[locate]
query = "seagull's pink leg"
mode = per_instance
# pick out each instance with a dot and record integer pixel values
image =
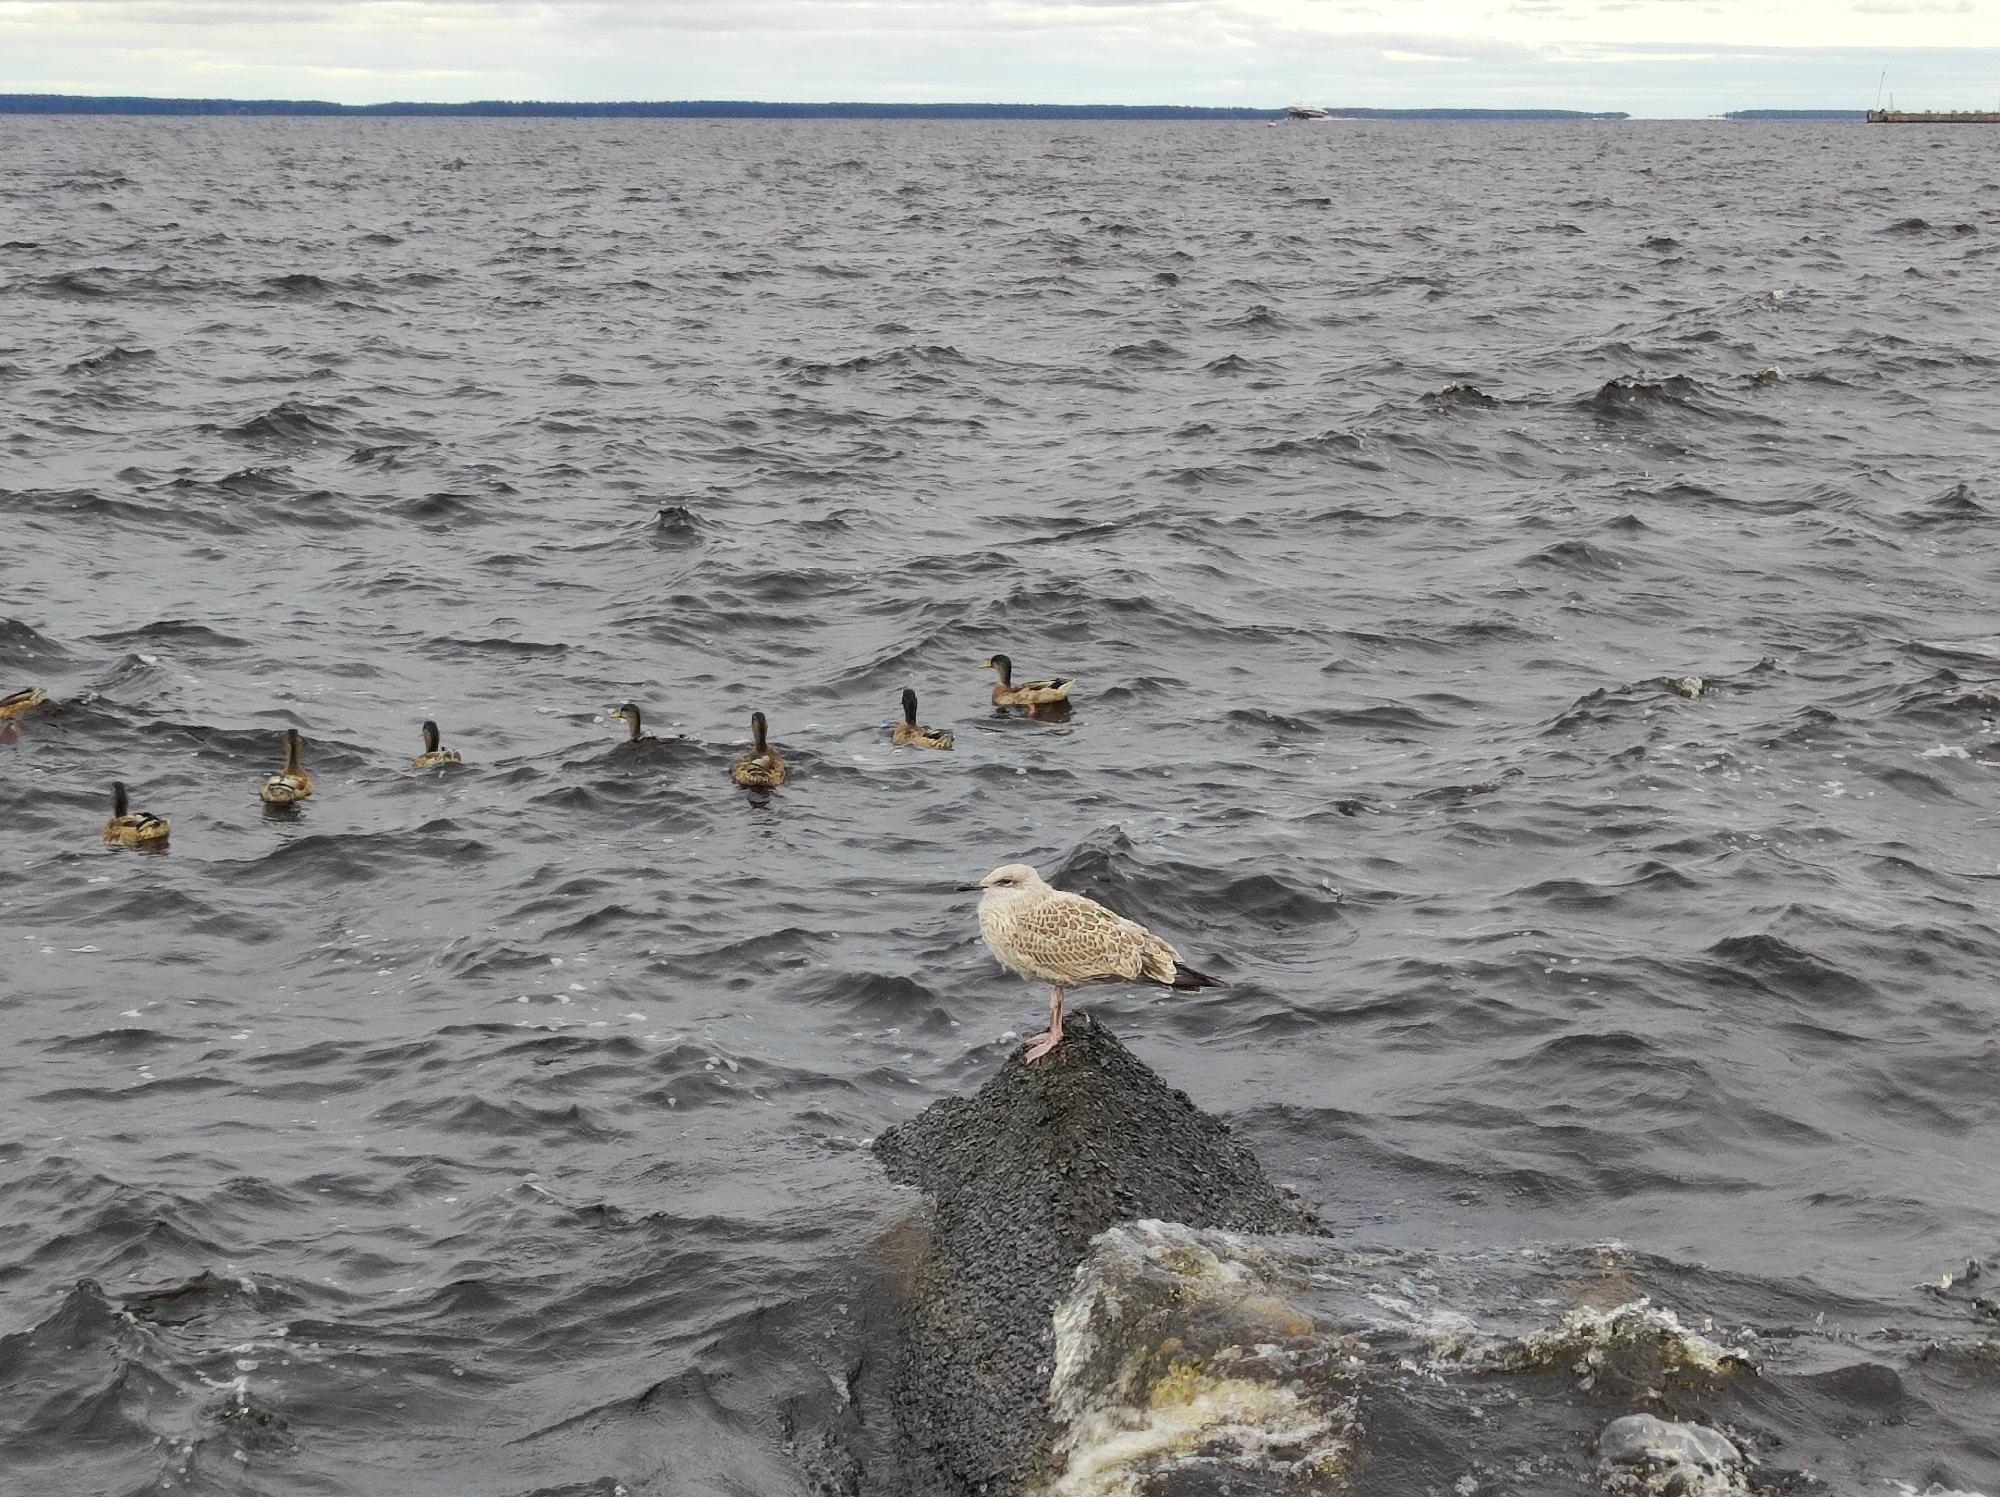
(1051, 1037)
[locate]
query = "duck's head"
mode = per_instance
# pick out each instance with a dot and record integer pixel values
(430, 736)
(1001, 664)
(1007, 880)
(120, 804)
(629, 713)
(909, 706)
(758, 728)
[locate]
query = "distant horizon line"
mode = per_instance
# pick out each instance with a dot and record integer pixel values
(168, 104)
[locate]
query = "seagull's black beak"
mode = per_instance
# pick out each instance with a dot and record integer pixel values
(967, 888)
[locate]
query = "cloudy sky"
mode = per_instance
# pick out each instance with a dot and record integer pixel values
(1651, 57)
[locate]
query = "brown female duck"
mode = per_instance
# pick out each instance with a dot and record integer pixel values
(1028, 694)
(629, 713)
(910, 731)
(22, 702)
(434, 757)
(294, 782)
(761, 767)
(129, 828)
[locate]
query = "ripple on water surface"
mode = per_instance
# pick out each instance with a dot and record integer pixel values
(1537, 645)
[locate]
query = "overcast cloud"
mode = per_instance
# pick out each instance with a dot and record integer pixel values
(1651, 57)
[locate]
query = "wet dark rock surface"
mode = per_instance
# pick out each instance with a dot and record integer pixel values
(1021, 1177)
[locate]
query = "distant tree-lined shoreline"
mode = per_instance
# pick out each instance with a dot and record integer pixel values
(724, 109)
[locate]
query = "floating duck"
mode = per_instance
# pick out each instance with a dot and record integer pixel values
(761, 767)
(630, 713)
(129, 828)
(433, 757)
(1029, 694)
(291, 784)
(910, 731)
(22, 702)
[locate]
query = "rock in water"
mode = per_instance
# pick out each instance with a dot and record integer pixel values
(1187, 1363)
(1021, 1177)
(1670, 1460)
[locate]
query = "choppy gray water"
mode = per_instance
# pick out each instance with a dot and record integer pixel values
(495, 1132)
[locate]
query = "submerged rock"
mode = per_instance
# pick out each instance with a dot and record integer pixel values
(1463, 397)
(1176, 1354)
(1633, 1348)
(1652, 1456)
(1632, 397)
(1021, 1178)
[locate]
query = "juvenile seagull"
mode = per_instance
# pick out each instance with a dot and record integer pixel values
(1067, 941)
